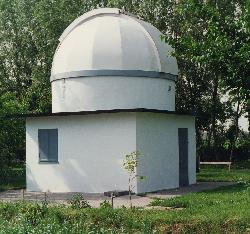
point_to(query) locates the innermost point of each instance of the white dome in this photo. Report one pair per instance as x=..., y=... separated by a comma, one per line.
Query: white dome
x=107, y=39
x=108, y=60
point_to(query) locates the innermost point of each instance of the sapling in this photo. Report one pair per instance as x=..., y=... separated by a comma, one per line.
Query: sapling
x=130, y=164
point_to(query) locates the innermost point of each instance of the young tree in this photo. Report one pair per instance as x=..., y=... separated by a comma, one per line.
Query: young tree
x=130, y=164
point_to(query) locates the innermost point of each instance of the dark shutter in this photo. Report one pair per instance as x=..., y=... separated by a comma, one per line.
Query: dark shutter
x=43, y=138
x=48, y=145
x=53, y=145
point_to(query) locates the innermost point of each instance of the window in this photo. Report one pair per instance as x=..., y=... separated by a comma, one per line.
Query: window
x=48, y=145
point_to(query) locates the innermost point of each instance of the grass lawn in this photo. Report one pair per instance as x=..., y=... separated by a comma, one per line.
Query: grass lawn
x=221, y=173
x=18, y=183
x=13, y=178
x=223, y=210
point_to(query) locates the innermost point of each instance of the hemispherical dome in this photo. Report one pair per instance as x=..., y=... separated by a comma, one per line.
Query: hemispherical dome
x=108, y=59
x=107, y=39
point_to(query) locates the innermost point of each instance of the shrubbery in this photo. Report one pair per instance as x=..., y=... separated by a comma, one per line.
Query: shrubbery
x=78, y=202
x=223, y=210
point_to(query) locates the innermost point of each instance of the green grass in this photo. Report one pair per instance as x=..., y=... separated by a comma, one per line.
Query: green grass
x=221, y=200
x=226, y=208
x=12, y=178
x=221, y=173
x=18, y=183
x=223, y=210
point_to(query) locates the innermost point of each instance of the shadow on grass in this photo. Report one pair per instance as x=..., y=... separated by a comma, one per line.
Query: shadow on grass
x=12, y=184
x=239, y=187
x=13, y=178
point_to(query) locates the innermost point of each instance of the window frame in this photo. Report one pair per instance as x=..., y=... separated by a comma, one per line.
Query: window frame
x=50, y=159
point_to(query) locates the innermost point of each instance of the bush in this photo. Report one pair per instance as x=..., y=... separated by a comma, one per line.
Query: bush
x=24, y=217
x=105, y=204
x=78, y=202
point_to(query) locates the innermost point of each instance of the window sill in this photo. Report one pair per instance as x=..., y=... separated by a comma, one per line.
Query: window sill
x=48, y=162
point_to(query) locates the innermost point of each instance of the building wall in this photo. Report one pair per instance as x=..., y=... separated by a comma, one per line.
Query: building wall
x=157, y=140
x=91, y=149
x=106, y=93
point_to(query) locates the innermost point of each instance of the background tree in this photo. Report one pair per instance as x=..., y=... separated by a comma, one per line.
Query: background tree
x=209, y=38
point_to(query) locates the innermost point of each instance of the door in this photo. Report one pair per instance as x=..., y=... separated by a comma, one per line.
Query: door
x=183, y=156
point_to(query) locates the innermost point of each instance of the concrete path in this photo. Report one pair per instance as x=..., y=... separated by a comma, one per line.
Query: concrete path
x=198, y=187
x=95, y=199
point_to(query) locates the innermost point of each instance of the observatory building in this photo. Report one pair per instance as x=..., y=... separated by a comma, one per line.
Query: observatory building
x=113, y=92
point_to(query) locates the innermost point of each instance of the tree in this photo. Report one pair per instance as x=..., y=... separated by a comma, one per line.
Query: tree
x=130, y=164
x=209, y=37
x=12, y=134
x=29, y=36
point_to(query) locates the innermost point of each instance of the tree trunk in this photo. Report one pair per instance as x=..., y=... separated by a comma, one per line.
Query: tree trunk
x=237, y=116
x=248, y=116
x=209, y=136
x=249, y=123
x=214, y=113
x=129, y=191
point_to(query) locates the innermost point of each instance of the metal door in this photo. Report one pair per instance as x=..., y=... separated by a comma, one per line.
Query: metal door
x=183, y=156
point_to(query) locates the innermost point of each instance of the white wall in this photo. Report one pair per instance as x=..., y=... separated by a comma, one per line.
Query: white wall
x=91, y=150
x=106, y=93
x=157, y=140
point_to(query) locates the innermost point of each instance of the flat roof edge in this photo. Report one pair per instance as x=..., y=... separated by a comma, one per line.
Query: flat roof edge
x=138, y=110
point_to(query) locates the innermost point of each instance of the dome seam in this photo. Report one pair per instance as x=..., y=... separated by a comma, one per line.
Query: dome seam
x=152, y=41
